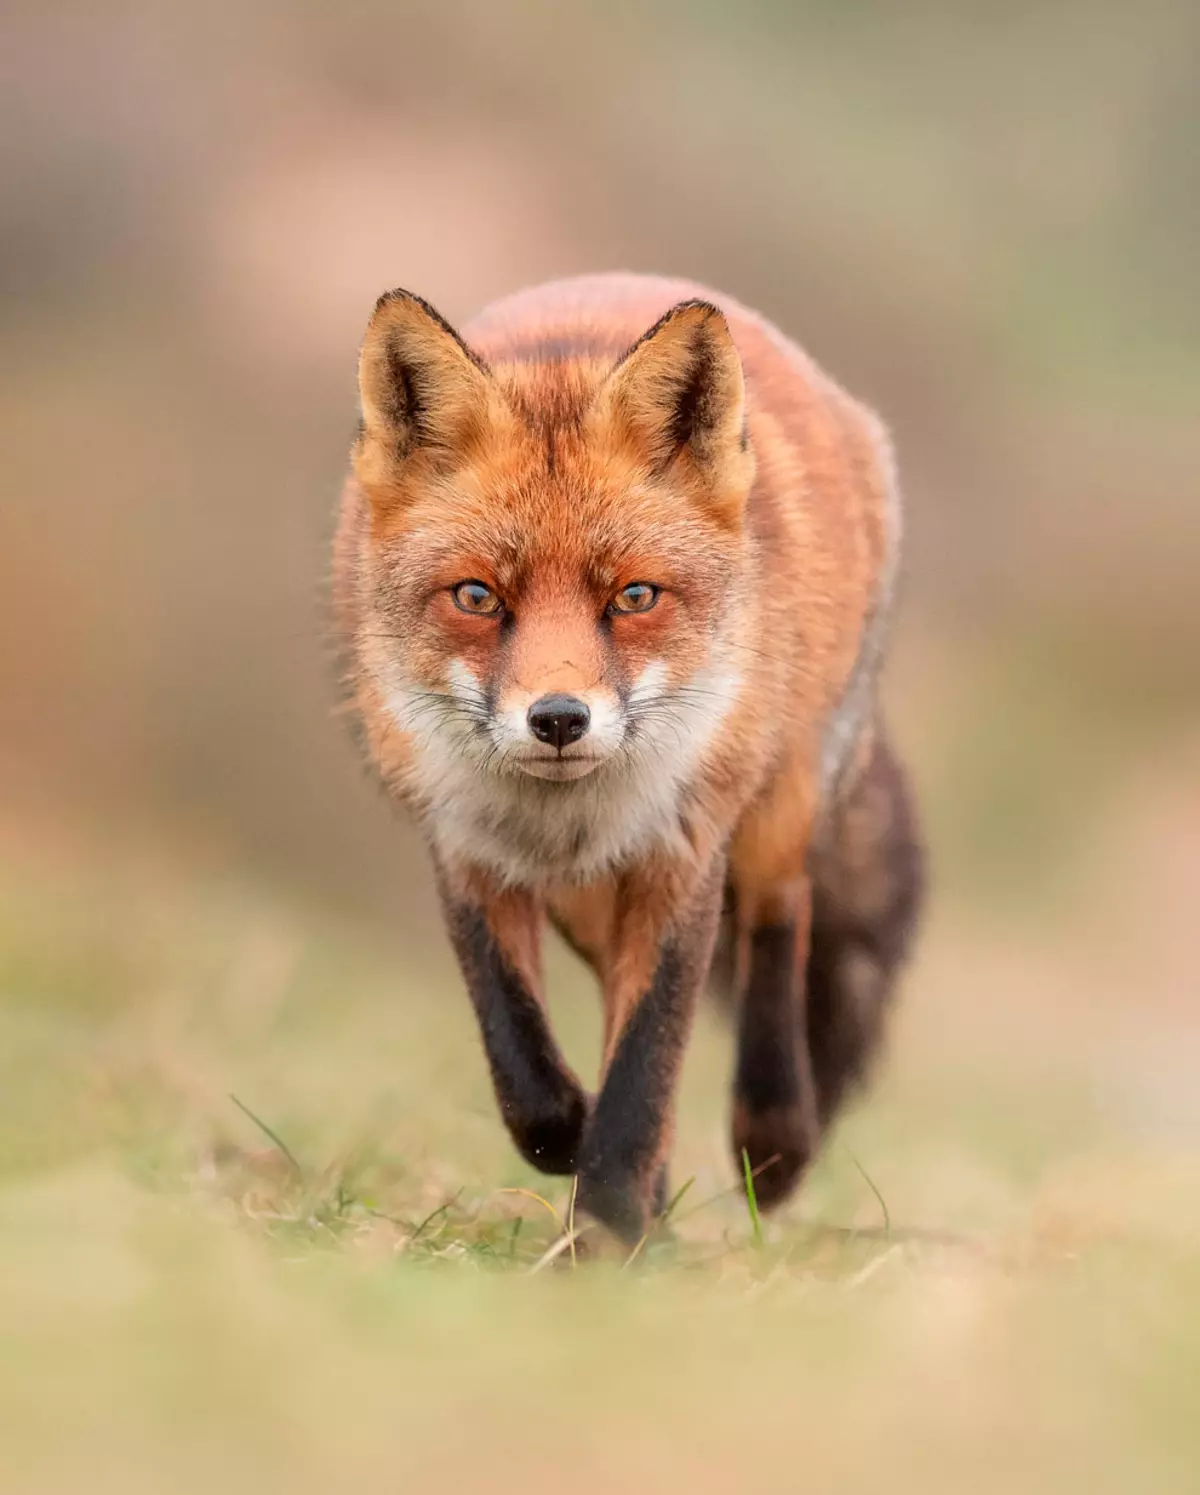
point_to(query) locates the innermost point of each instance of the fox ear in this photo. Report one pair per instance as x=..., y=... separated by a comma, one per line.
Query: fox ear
x=421, y=390
x=680, y=395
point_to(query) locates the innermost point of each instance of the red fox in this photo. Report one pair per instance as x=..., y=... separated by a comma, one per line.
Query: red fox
x=613, y=574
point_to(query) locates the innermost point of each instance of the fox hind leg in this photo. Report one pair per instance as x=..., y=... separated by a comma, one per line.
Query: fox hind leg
x=775, y=1117
x=817, y=987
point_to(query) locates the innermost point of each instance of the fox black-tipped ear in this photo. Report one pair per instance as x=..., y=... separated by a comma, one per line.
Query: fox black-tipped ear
x=420, y=387
x=679, y=393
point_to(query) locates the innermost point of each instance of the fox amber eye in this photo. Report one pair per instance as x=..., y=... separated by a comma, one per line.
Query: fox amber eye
x=474, y=597
x=637, y=597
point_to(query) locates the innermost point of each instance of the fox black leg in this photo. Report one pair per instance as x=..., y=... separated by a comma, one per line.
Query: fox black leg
x=818, y=987
x=542, y=1102
x=622, y=1162
x=775, y=1101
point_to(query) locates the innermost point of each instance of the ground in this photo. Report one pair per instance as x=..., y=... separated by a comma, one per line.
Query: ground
x=260, y=1228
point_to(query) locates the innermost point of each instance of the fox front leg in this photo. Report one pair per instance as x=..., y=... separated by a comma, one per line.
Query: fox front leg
x=660, y=965
x=543, y=1105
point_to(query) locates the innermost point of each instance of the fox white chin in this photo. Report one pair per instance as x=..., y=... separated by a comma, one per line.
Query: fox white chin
x=558, y=770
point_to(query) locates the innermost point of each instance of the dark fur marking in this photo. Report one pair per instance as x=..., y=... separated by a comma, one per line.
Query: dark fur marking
x=692, y=416
x=619, y=1162
x=406, y=409
x=540, y=1100
x=774, y=1113
x=661, y=1194
x=766, y=1060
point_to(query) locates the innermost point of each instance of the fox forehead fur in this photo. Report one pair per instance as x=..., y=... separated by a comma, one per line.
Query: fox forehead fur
x=580, y=444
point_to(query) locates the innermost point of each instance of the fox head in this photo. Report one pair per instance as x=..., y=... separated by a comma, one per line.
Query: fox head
x=552, y=548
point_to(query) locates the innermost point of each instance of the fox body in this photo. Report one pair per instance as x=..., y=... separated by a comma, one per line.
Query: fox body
x=613, y=573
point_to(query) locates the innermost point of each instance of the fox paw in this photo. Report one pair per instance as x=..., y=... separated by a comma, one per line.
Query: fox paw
x=550, y=1138
x=780, y=1143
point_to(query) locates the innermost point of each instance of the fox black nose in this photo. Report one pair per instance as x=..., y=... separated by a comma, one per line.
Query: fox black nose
x=559, y=720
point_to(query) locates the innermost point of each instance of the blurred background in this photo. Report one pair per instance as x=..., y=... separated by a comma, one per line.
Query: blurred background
x=985, y=220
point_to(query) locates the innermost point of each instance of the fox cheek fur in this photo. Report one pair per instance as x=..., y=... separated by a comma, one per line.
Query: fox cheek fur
x=613, y=575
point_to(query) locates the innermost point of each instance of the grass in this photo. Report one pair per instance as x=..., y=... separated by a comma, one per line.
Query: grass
x=260, y=1229
x=756, y=1229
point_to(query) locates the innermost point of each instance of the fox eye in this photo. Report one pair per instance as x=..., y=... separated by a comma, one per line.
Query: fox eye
x=474, y=597
x=637, y=597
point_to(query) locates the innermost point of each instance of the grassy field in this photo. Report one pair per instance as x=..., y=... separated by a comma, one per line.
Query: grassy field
x=991, y=1283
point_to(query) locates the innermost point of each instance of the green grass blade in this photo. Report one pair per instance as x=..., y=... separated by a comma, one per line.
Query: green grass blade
x=756, y=1229
x=887, y=1218
x=434, y=1214
x=269, y=1132
x=676, y=1199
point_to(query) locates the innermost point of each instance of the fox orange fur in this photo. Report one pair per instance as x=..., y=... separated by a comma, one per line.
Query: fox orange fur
x=613, y=572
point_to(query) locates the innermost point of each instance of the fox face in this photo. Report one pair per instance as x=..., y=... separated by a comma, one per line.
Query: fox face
x=551, y=580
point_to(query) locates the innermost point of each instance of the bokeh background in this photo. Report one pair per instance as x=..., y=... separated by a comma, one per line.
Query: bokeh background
x=983, y=219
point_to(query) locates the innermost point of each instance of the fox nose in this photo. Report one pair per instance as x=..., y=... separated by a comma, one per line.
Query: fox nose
x=559, y=720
